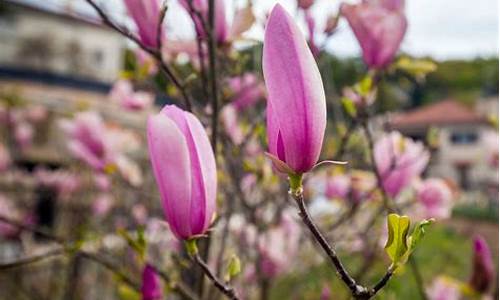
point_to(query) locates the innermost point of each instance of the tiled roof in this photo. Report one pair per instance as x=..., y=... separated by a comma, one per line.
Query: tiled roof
x=443, y=112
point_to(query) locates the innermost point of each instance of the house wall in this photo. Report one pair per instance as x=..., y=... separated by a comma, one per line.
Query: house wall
x=450, y=154
x=49, y=42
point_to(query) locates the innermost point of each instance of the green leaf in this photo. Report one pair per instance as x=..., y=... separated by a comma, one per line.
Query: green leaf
x=396, y=246
x=233, y=268
x=364, y=87
x=416, y=67
x=349, y=106
x=417, y=234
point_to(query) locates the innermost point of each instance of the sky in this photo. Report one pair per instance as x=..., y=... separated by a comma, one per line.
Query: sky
x=442, y=29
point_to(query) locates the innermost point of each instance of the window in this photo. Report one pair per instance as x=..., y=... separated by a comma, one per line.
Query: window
x=463, y=138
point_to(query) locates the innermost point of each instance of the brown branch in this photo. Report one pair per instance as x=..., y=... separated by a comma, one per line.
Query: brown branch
x=31, y=259
x=213, y=73
x=155, y=53
x=227, y=290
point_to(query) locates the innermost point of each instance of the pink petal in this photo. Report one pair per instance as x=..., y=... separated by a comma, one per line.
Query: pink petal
x=296, y=94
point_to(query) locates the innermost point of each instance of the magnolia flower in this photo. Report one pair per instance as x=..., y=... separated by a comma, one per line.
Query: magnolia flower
x=331, y=24
x=151, y=288
x=399, y=161
x=184, y=166
x=246, y=90
x=358, y=99
x=379, y=26
x=338, y=186
x=123, y=94
x=87, y=140
x=296, y=107
x=483, y=273
x=436, y=198
x=146, y=15
x=139, y=213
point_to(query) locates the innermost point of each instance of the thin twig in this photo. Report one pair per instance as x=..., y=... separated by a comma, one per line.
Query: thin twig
x=227, y=290
x=31, y=259
x=213, y=73
x=155, y=53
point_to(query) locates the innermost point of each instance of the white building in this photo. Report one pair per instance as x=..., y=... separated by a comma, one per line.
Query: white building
x=37, y=38
x=464, y=152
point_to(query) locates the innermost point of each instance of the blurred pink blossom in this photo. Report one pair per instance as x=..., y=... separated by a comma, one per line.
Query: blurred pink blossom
x=435, y=197
x=379, y=26
x=102, y=204
x=123, y=94
x=444, y=288
x=146, y=15
x=36, y=113
x=102, y=182
x=305, y=4
x=229, y=117
x=87, y=140
x=246, y=90
x=399, y=161
x=140, y=213
x=23, y=134
x=338, y=186
x=283, y=238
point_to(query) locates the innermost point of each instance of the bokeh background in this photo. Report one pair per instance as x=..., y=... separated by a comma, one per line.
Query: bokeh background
x=57, y=60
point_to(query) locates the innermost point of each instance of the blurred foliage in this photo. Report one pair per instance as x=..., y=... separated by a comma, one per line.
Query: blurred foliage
x=475, y=212
x=443, y=251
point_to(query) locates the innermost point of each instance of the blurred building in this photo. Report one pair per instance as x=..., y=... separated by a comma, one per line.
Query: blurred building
x=38, y=38
x=463, y=135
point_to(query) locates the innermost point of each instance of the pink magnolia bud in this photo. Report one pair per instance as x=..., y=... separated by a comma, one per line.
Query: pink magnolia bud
x=184, y=166
x=151, y=288
x=88, y=141
x=436, y=198
x=379, y=26
x=399, y=161
x=483, y=272
x=102, y=182
x=296, y=107
x=229, y=117
x=146, y=15
x=305, y=4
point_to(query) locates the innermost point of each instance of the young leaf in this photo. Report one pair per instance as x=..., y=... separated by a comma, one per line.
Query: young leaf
x=417, y=234
x=233, y=268
x=349, y=106
x=396, y=246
